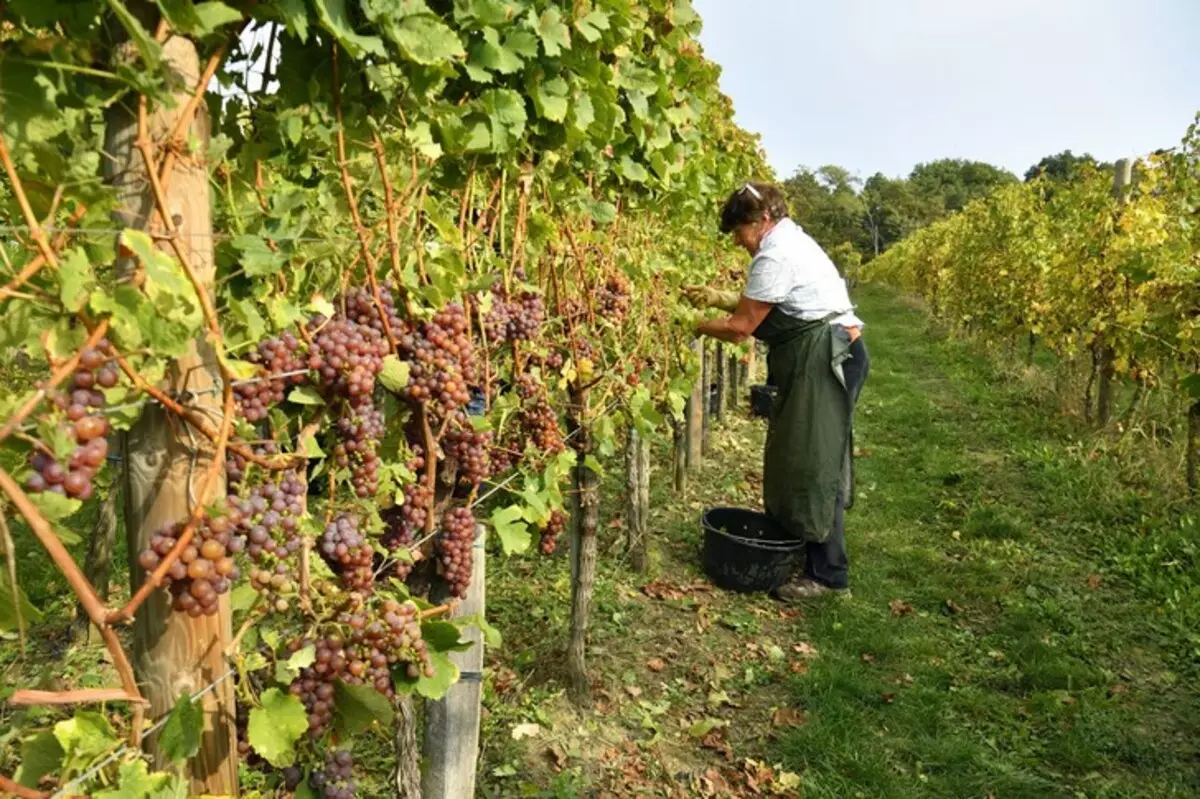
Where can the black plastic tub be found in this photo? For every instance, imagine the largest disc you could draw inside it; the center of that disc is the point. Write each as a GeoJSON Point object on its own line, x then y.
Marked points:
{"type": "Point", "coordinates": [761, 398]}
{"type": "Point", "coordinates": [745, 551]}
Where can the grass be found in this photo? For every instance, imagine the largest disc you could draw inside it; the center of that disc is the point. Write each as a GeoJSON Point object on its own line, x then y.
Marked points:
{"type": "Point", "coordinates": [1021, 622]}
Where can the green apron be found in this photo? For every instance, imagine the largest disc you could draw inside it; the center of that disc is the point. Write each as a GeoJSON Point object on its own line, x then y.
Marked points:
{"type": "Point", "coordinates": [806, 461]}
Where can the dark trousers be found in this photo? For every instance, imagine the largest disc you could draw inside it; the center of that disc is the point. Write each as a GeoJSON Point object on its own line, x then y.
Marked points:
{"type": "Point", "coordinates": [827, 562]}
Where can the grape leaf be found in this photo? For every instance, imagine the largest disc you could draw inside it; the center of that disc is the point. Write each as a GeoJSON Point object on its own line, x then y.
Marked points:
{"type": "Point", "coordinates": [509, 523]}
{"type": "Point", "coordinates": [41, 754]}
{"type": "Point", "coordinates": [445, 674]}
{"type": "Point", "coordinates": [76, 280]}
{"type": "Point", "coordinates": [180, 738]}
{"type": "Point", "coordinates": [214, 15]}
{"type": "Point", "coordinates": [550, 99]}
{"type": "Point", "coordinates": [394, 376]}
{"type": "Point", "coordinates": [556, 36]}
{"type": "Point", "coordinates": [305, 395]}
{"type": "Point", "coordinates": [336, 19]}
{"type": "Point", "coordinates": [295, 17]}
{"type": "Point", "coordinates": [275, 727]}
{"type": "Point", "coordinates": [256, 257]}
{"type": "Point", "coordinates": [357, 707]}
{"type": "Point", "coordinates": [506, 114]}
{"type": "Point", "coordinates": [85, 736]}
{"type": "Point", "coordinates": [8, 605]}
{"type": "Point", "coordinates": [591, 24]}
{"type": "Point", "coordinates": [288, 670]}
{"type": "Point", "coordinates": [442, 636]}
{"type": "Point", "coordinates": [425, 39]}
{"type": "Point", "coordinates": [149, 49]}
{"type": "Point", "coordinates": [490, 54]}
{"type": "Point", "coordinates": [632, 170]}
{"type": "Point", "coordinates": [134, 781]}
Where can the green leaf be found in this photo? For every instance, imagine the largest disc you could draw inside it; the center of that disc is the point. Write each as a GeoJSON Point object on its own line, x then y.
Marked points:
{"type": "Point", "coordinates": [276, 726]}
{"type": "Point", "coordinates": [445, 674]}
{"type": "Point", "coordinates": [603, 213]}
{"type": "Point", "coordinates": [591, 463]}
{"type": "Point", "coordinates": [243, 597]}
{"type": "Point", "coordinates": [442, 636]}
{"type": "Point", "coordinates": [550, 99]}
{"type": "Point", "coordinates": [295, 17]}
{"type": "Point", "coordinates": [632, 170]}
{"type": "Point", "coordinates": [394, 376]}
{"type": "Point", "coordinates": [310, 447]}
{"type": "Point", "coordinates": [85, 736]}
{"type": "Point", "coordinates": [420, 136]}
{"type": "Point", "coordinates": [256, 258]}
{"type": "Point", "coordinates": [509, 523]}
{"type": "Point", "coordinates": [583, 112]}
{"type": "Point", "coordinates": [491, 636]}
{"type": "Point", "coordinates": [357, 707]}
{"type": "Point", "coordinates": [56, 507]}
{"type": "Point", "coordinates": [521, 42]}
{"type": "Point", "coordinates": [8, 604]}
{"type": "Point", "coordinates": [149, 49]}
{"type": "Point", "coordinates": [490, 54]}
{"type": "Point", "coordinates": [555, 35]}
{"type": "Point", "coordinates": [134, 781]}
{"type": "Point", "coordinates": [180, 738]}
{"type": "Point", "coordinates": [702, 728]}
{"type": "Point", "coordinates": [76, 280]}
{"type": "Point", "coordinates": [246, 312]}
{"type": "Point", "coordinates": [288, 670]}
{"type": "Point", "coordinates": [283, 312]}
{"type": "Point", "coordinates": [41, 754]}
{"type": "Point", "coordinates": [305, 395]}
{"type": "Point", "coordinates": [591, 24]}
{"type": "Point", "coordinates": [214, 15]}
{"type": "Point", "coordinates": [335, 19]}
{"type": "Point", "coordinates": [425, 39]}
{"type": "Point", "coordinates": [506, 113]}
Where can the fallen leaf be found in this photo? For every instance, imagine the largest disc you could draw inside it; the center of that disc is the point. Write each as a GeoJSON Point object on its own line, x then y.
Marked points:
{"type": "Point", "coordinates": [805, 649]}
{"type": "Point", "coordinates": [1094, 581]}
{"type": "Point", "coordinates": [557, 757]}
{"type": "Point", "coordinates": [1118, 690]}
{"type": "Point", "coordinates": [900, 607]}
{"type": "Point", "coordinates": [888, 698]}
{"type": "Point", "coordinates": [953, 607]}
{"type": "Point", "coordinates": [526, 731]}
{"type": "Point", "coordinates": [715, 741]}
{"type": "Point", "coordinates": [633, 691]}
{"type": "Point", "coordinates": [799, 667]}
{"type": "Point", "coordinates": [867, 657]}
{"type": "Point", "coordinates": [788, 717]}
{"type": "Point", "coordinates": [655, 664]}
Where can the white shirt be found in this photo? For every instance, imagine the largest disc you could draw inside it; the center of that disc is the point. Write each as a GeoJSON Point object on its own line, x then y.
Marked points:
{"type": "Point", "coordinates": [792, 271]}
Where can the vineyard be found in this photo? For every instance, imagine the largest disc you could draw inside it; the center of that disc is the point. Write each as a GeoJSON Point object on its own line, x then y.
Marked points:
{"type": "Point", "coordinates": [307, 297]}
{"type": "Point", "coordinates": [1100, 271]}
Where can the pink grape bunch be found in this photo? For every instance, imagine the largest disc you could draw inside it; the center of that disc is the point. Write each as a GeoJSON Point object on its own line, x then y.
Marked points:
{"type": "Point", "coordinates": [85, 426]}
{"type": "Point", "coordinates": [282, 364]}
{"type": "Point", "coordinates": [348, 553]}
{"type": "Point", "coordinates": [442, 358]}
{"type": "Point", "coordinates": [204, 570]}
{"type": "Point", "coordinates": [552, 530]}
{"type": "Point", "coordinates": [455, 543]}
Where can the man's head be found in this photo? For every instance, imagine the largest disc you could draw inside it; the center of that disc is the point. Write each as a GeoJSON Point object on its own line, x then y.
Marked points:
{"type": "Point", "coordinates": [751, 212]}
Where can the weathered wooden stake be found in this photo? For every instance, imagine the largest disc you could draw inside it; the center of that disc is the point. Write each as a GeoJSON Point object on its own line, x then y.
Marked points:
{"type": "Point", "coordinates": [175, 654]}
{"type": "Point", "coordinates": [680, 454]}
{"type": "Point", "coordinates": [719, 377]}
{"type": "Point", "coordinates": [585, 519]}
{"type": "Point", "coordinates": [452, 723]}
{"type": "Point", "coordinates": [733, 371]}
{"type": "Point", "coordinates": [706, 376]}
{"type": "Point", "coordinates": [637, 506]}
{"type": "Point", "coordinates": [98, 566]}
{"type": "Point", "coordinates": [695, 419]}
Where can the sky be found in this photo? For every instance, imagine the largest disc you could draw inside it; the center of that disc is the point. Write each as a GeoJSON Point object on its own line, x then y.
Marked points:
{"type": "Point", "coordinates": [881, 85]}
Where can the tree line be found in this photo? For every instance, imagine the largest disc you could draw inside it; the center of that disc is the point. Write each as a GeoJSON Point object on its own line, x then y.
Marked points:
{"type": "Point", "coordinates": [858, 220]}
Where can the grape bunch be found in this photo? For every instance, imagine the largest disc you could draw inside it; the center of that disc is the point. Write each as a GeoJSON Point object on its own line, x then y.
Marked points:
{"type": "Point", "coordinates": [359, 432]}
{"type": "Point", "coordinates": [403, 523]}
{"type": "Point", "coordinates": [204, 570]}
{"type": "Point", "coordinates": [442, 358]}
{"type": "Point", "coordinates": [347, 357]}
{"type": "Point", "coordinates": [539, 422]}
{"type": "Point", "coordinates": [454, 545]}
{"type": "Point", "coordinates": [314, 686]}
{"type": "Point", "coordinates": [514, 319]}
{"type": "Point", "coordinates": [388, 633]}
{"type": "Point", "coordinates": [84, 426]}
{"type": "Point", "coordinates": [361, 308]}
{"type": "Point", "coordinates": [553, 361]}
{"type": "Point", "coordinates": [275, 358]}
{"type": "Point", "coordinates": [551, 530]}
{"type": "Point", "coordinates": [268, 525]}
{"type": "Point", "coordinates": [348, 553]}
{"type": "Point", "coordinates": [336, 779]}
{"type": "Point", "coordinates": [613, 298]}
{"type": "Point", "coordinates": [469, 449]}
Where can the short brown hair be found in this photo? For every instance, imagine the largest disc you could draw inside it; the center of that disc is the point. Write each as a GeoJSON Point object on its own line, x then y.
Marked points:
{"type": "Point", "coordinates": [750, 203]}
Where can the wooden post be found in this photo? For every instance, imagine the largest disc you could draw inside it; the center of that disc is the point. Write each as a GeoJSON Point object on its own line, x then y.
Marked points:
{"type": "Point", "coordinates": [719, 370]}
{"type": "Point", "coordinates": [98, 566]}
{"type": "Point", "coordinates": [406, 778]}
{"type": "Point", "coordinates": [585, 519]}
{"type": "Point", "coordinates": [733, 371]}
{"type": "Point", "coordinates": [695, 419]}
{"type": "Point", "coordinates": [680, 453]}
{"type": "Point", "coordinates": [706, 375]}
{"type": "Point", "coordinates": [452, 723]}
{"type": "Point", "coordinates": [175, 654]}
{"type": "Point", "coordinates": [1122, 178]}
{"type": "Point", "coordinates": [637, 505]}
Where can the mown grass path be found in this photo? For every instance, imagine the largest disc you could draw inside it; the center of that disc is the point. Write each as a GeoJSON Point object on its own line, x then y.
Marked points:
{"type": "Point", "coordinates": [989, 647]}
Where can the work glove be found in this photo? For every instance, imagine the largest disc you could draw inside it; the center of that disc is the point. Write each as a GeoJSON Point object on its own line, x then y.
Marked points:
{"type": "Point", "coordinates": [701, 296]}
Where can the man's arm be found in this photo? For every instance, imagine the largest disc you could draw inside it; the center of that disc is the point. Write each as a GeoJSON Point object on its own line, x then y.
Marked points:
{"type": "Point", "coordinates": [739, 325]}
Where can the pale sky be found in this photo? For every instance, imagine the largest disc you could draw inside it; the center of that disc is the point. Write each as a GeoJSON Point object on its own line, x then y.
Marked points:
{"type": "Point", "coordinates": [879, 85]}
